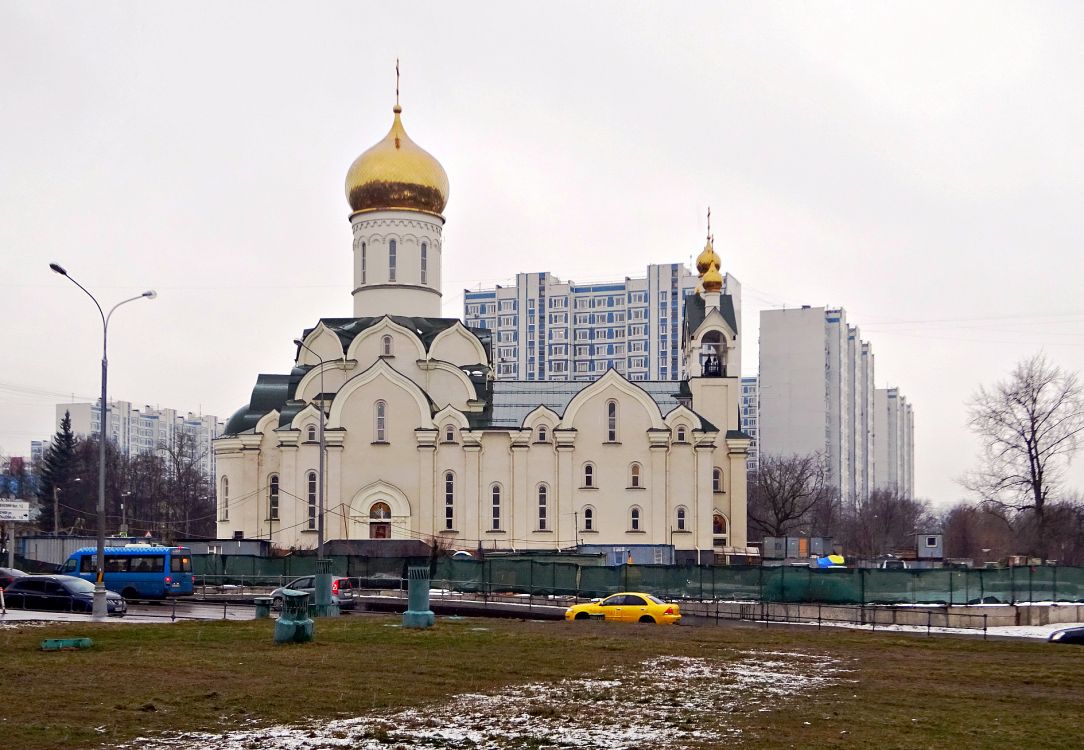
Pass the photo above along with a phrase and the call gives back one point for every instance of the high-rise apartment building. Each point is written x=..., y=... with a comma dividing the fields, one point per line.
x=548, y=329
x=893, y=442
x=750, y=419
x=817, y=395
x=136, y=431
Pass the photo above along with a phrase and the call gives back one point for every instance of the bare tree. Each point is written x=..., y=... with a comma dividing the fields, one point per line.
x=1030, y=426
x=981, y=533
x=885, y=522
x=190, y=502
x=785, y=493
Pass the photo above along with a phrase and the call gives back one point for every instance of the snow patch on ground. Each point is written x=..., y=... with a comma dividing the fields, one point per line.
x=1039, y=632
x=676, y=701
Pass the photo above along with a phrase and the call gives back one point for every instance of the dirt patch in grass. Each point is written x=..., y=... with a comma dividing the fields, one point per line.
x=365, y=682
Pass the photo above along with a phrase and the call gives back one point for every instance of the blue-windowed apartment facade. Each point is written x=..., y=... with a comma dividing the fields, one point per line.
x=548, y=329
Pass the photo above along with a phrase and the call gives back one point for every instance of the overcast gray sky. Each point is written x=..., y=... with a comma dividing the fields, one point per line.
x=920, y=164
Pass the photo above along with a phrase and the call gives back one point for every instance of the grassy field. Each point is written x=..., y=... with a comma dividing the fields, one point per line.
x=883, y=691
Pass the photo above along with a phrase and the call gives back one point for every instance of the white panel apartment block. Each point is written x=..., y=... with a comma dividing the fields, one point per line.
x=817, y=395
x=136, y=431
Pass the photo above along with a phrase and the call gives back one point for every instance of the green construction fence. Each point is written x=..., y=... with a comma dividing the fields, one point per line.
x=550, y=577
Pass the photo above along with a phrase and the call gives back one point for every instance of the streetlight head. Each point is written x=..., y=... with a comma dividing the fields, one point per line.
x=57, y=268
x=150, y=294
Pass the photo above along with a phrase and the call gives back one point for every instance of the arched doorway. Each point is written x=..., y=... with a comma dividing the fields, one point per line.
x=380, y=521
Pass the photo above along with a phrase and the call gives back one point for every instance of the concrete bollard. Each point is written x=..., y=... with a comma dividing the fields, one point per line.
x=418, y=614
x=294, y=624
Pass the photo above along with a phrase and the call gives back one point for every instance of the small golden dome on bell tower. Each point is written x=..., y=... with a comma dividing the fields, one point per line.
x=712, y=279
x=706, y=258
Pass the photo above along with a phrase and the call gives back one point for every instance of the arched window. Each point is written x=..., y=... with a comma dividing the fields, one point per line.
x=716, y=479
x=425, y=263
x=681, y=433
x=634, y=518
x=611, y=421
x=385, y=346
x=224, y=500
x=310, y=433
x=588, y=518
x=381, y=432
x=449, y=434
x=543, y=493
x=543, y=434
x=380, y=521
x=392, y=247
x=719, y=531
x=634, y=475
x=363, y=260
x=311, y=522
x=449, y=501
x=588, y=475
x=496, y=495
x=273, y=497
x=681, y=516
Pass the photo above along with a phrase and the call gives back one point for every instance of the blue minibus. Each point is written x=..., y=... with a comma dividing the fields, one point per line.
x=137, y=571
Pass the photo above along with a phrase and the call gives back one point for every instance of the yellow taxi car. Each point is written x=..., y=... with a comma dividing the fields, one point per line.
x=627, y=606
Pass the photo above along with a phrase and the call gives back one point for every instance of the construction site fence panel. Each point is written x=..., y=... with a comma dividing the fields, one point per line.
x=792, y=584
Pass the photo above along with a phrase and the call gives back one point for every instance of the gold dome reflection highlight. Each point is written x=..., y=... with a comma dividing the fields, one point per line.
x=397, y=173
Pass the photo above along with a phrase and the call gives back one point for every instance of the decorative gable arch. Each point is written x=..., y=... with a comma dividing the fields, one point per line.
x=542, y=414
x=454, y=338
x=383, y=327
x=451, y=414
x=311, y=379
x=267, y=423
x=324, y=342
x=380, y=370
x=361, y=503
x=303, y=417
x=682, y=414
x=469, y=393
x=714, y=321
x=612, y=380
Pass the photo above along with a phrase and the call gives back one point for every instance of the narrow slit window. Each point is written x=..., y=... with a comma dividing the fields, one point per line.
x=311, y=521
x=543, y=493
x=449, y=501
x=381, y=422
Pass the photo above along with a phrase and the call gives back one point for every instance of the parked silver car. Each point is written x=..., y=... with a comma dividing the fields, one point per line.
x=342, y=591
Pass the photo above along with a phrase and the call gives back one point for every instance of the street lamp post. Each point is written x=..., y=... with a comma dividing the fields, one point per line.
x=324, y=605
x=99, y=611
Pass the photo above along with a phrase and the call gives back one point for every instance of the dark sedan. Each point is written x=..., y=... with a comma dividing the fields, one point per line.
x=7, y=575
x=1068, y=635
x=59, y=594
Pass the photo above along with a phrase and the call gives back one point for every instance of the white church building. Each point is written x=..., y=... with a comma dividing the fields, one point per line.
x=423, y=442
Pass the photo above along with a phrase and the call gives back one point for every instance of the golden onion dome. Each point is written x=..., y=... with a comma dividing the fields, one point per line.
x=397, y=173
x=712, y=279
x=706, y=258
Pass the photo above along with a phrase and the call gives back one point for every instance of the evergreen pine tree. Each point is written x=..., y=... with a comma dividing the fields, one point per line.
x=57, y=466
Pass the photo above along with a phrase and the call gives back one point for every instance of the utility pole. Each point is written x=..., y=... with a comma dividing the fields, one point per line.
x=56, y=512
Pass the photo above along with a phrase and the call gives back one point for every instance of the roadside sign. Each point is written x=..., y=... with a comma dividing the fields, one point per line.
x=14, y=510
